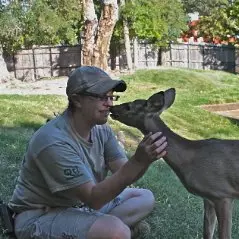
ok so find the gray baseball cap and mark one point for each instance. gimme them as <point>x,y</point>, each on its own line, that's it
<point>92,79</point>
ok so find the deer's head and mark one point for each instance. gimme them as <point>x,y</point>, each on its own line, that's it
<point>134,113</point>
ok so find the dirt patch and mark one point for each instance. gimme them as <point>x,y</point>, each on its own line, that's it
<point>41,87</point>
<point>56,86</point>
<point>230,110</point>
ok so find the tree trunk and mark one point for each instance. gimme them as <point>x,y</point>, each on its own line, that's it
<point>5,75</point>
<point>108,19</point>
<point>90,27</point>
<point>127,41</point>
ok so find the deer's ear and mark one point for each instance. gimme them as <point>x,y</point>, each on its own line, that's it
<point>162,100</point>
<point>169,97</point>
<point>156,100</point>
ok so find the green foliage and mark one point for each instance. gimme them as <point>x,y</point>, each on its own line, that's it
<point>156,21</point>
<point>70,12</point>
<point>223,22</point>
<point>41,23</point>
<point>45,22</point>
<point>203,7</point>
<point>11,24</point>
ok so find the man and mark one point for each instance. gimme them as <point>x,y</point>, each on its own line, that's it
<point>62,190</point>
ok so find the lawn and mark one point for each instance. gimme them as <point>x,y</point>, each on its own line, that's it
<point>177,214</point>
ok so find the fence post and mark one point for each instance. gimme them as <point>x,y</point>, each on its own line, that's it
<point>188,55</point>
<point>51,61</point>
<point>234,60</point>
<point>170,54</point>
<point>81,52</point>
<point>14,65</point>
<point>34,64</point>
<point>145,53</point>
<point>136,59</point>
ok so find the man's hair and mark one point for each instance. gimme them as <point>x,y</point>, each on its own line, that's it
<point>71,106</point>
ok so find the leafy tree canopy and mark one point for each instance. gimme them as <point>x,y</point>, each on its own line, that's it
<point>39,22</point>
<point>203,7</point>
<point>43,22</point>
<point>223,22</point>
<point>11,26</point>
<point>156,21</point>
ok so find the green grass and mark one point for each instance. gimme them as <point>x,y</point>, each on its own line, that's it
<point>177,214</point>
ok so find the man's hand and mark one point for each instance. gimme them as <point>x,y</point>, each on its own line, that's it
<point>151,148</point>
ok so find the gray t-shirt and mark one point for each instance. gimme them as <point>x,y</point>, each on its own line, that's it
<point>57,158</point>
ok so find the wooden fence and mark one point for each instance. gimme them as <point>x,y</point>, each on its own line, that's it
<point>46,61</point>
<point>193,56</point>
<point>50,61</point>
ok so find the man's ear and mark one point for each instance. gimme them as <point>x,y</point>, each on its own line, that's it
<point>76,100</point>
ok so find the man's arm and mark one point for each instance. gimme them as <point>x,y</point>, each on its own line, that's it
<point>97,195</point>
<point>115,165</point>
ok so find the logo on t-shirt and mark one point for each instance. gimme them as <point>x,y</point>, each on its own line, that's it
<point>73,172</point>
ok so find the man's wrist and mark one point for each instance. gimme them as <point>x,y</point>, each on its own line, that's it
<point>142,163</point>
<point>131,171</point>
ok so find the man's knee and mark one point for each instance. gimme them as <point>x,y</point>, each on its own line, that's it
<point>109,227</point>
<point>145,197</point>
<point>149,197</point>
<point>144,200</point>
<point>121,231</point>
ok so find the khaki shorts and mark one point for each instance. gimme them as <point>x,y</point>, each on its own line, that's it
<point>59,223</point>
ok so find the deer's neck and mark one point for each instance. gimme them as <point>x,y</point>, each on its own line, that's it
<point>179,149</point>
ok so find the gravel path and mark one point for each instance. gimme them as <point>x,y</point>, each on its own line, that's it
<point>45,87</point>
<point>41,87</point>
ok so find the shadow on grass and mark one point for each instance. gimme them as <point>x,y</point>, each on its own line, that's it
<point>37,125</point>
<point>30,125</point>
<point>13,142</point>
<point>234,121</point>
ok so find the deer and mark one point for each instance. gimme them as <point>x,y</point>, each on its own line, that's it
<point>208,168</point>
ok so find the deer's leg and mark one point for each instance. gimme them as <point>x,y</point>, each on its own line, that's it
<point>224,216</point>
<point>209,219</point>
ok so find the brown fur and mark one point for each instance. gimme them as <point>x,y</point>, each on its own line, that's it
<point>208,168</point>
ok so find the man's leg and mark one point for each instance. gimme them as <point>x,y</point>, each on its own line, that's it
<point>136,204</point>
<point>109,227</point>
<point>69,223</point>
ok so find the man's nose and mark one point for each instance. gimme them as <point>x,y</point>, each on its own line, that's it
<point>109,101</point>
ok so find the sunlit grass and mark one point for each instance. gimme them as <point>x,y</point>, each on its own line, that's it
<point>177,214</point>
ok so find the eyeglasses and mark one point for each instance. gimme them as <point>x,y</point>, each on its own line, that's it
<point>101,97</point>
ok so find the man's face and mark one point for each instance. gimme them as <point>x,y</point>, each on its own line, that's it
<point>96,109</point>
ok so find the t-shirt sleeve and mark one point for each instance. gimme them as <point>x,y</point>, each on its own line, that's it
<point>112,149</point>
<point>62,167</point>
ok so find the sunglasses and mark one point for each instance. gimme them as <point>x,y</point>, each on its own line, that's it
<point>101,97</point>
